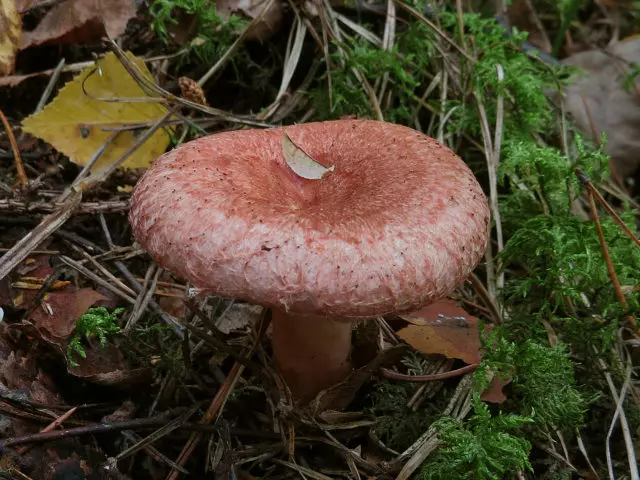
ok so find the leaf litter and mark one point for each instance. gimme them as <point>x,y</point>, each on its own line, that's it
<point>80,21</point>
<point>82,118</point>
<point>250,416</point>
<point>10,31</point>
<point>604,99</point>
<point>446,329</point>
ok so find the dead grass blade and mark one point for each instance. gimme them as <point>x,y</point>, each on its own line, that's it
<point>626,431</point>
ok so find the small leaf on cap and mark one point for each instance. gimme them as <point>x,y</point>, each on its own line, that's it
<point>300,162</point>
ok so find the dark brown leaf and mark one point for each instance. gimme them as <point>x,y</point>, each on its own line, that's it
<point>80,21</point>
<point>446,329</point>
<point>107,366</point>
<point>58,313</point>
<point>495,394</point>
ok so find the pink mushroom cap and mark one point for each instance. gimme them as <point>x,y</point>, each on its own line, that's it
<point>399,223</point>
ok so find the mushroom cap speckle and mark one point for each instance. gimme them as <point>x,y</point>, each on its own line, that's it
<point>399,223</point>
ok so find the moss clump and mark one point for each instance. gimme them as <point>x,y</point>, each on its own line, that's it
<point>97,322</point>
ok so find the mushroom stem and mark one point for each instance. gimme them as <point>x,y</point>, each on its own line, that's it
<point>311,352</point>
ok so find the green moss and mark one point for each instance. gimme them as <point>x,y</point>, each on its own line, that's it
<point>484,447</point>
<point>97,322</point>
<point>214,35</point>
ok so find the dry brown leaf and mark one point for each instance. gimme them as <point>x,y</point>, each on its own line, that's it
<point>10,30</point>
<point>239,316</point>
<point>24,5</point>
<point>36,266</point>
<point>302,163</point>
<point>446,329</point>
<point>56,317</point>
<point>599,102</point>
<point>81,21</point>
<point>107,366</point>
<point>21,372</point>
<point>495,393</point>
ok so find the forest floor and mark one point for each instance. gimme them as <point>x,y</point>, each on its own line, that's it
<point>110,367</point>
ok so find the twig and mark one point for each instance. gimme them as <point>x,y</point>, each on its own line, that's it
<point>102,175</point>
<point>46,227</point>
<point>428,378</point>
<point>588,184</point>
<point>23,206</point>
<point>140,423</point>
<point>435,28</point>
<point>158,434</point>
<point>290,63</point>
<point>479,288</point>
<point>492,154</point>
<point>605,253</point>
<point>50,86</point>
<point>149,86</point>
<point>152,452</point>
<point>177,328</point>
<point>303,471</point>
<point>144,297</point>
<point>95,278</point>
<point>388,41</point>
<point>92,161</point>
<point>218,402</point>
<point>583,450</point>
<point>53,425</point>
<point>428,441</point>
<point>626,433</point>
<point>212,412</point>
<point>22,175</point>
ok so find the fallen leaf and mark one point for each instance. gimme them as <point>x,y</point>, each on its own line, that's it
<point>107,366</point>
<point>74,123</point>
<point>599,102</point>
<point>300,162</point>
<point>238,317</point>
<point>21,372</point>
<point>173,306</point>
<point>446,329</point>
<point>495,393</point>
<point>56,317</point>
<point>14,297</point>
<point>81,21</point>
<point>10,31</point>
<point>24,5</point>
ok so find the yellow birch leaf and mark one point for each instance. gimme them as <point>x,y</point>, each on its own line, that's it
<point>10,31</point>
<point>78,125</point>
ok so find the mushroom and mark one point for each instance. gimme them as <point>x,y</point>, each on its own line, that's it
<point>398,223</point>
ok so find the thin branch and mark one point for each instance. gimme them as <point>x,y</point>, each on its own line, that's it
<point>22,174</point>
<point>428,378</point>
